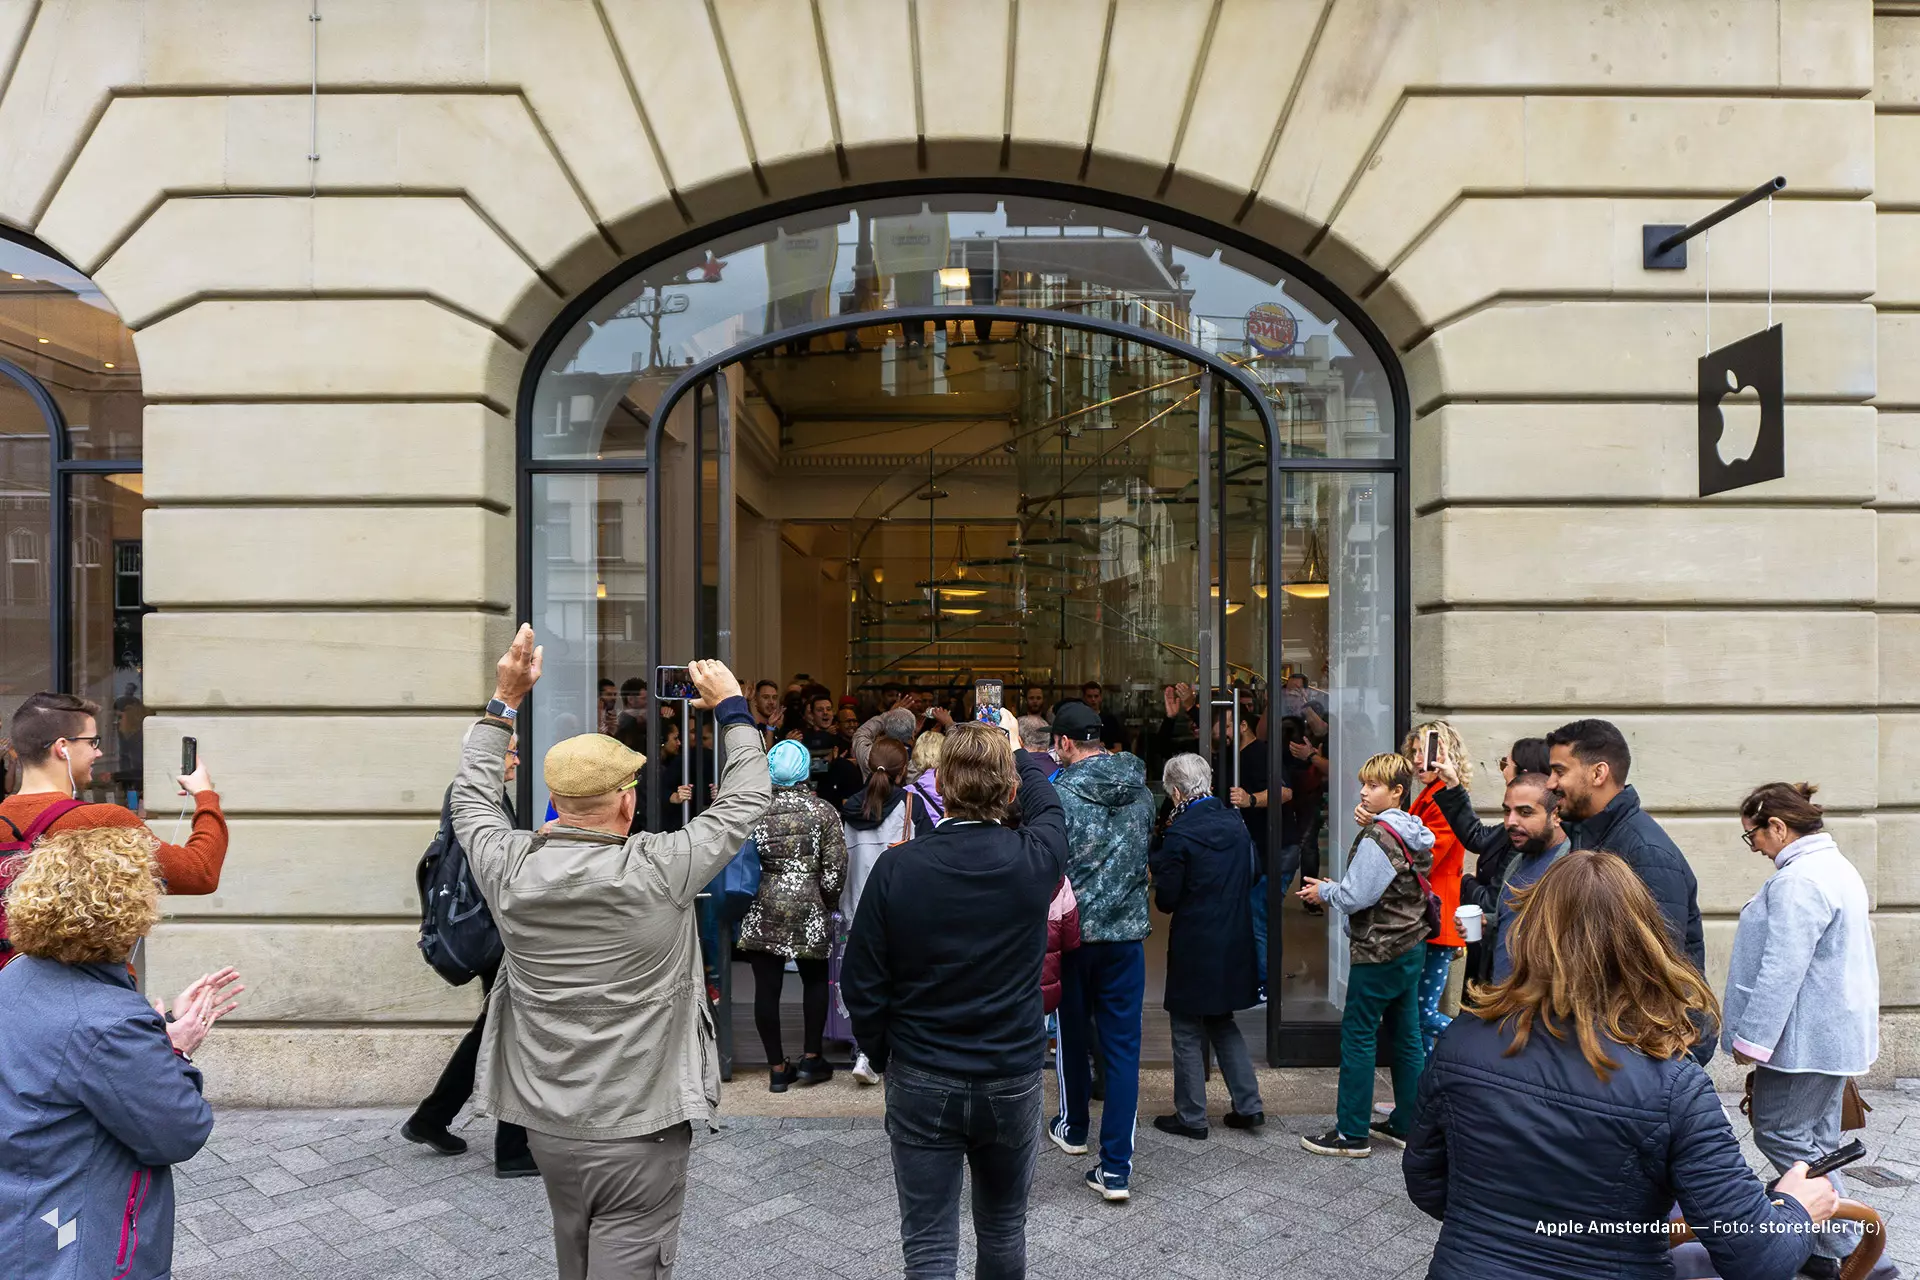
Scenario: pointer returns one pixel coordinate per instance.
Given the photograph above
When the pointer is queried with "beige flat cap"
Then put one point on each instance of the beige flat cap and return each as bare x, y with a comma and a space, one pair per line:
590, 764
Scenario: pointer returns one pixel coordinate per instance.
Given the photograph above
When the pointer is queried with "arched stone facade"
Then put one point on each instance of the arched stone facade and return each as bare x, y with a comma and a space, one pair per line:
331, 349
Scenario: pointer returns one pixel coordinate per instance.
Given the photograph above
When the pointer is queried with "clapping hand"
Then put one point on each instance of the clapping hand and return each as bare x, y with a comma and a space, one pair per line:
205, 1001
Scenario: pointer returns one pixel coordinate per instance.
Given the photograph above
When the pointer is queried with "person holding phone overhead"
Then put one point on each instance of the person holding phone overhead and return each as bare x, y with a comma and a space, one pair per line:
1803, 991
599, 1040
57, 739
1428, 746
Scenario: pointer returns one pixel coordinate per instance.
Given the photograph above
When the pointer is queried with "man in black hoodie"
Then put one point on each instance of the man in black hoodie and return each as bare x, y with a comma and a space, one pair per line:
942, 981
1588, 762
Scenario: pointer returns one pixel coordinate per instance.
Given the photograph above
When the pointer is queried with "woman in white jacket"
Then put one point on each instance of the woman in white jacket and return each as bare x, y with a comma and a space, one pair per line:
1803, 989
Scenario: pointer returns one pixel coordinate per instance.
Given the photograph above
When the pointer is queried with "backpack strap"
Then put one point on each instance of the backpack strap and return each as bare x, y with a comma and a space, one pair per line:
17, 837
1374, 830
47, 817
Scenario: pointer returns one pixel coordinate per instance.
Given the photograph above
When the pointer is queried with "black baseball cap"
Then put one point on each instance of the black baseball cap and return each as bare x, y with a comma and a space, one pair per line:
1076, 722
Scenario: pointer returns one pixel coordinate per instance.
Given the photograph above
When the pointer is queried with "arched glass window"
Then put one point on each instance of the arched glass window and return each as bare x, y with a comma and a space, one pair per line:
921, 439
71, 504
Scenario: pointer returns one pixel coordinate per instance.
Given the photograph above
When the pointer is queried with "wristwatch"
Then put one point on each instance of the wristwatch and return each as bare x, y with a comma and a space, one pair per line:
499, 710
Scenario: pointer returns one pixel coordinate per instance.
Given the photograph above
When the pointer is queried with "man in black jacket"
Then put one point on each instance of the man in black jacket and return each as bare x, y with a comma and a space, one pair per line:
942, 981
1588, 762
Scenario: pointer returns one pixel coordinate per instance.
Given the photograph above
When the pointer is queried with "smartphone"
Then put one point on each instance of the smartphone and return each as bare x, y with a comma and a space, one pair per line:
189, 755
1433, 748
673, 683
988, 696
1840, 1159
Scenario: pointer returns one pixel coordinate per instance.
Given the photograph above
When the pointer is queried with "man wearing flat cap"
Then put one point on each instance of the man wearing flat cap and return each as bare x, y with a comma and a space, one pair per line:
599, 1040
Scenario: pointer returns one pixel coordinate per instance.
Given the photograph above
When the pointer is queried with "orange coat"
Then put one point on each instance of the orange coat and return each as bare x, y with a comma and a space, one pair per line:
1449, 861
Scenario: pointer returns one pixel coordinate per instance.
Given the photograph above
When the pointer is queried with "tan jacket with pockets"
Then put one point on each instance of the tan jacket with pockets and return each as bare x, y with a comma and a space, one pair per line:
598, 1025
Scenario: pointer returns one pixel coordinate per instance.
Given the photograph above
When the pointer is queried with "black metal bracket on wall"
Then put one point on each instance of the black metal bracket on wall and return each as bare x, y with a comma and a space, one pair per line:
1663, 245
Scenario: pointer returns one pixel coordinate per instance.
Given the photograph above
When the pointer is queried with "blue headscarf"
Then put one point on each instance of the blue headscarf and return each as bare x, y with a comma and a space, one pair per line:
789, 763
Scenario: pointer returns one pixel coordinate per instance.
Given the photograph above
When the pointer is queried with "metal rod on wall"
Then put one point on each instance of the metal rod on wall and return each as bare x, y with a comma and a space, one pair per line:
1662, 245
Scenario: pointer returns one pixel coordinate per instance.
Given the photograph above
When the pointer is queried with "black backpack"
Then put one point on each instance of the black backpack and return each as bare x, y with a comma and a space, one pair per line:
457, 933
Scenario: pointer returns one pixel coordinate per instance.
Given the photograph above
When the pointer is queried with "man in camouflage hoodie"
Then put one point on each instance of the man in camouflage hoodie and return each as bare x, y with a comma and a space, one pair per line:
1109, 825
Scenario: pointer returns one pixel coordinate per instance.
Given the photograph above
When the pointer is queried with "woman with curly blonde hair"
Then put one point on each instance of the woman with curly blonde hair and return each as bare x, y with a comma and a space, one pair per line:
98, 1092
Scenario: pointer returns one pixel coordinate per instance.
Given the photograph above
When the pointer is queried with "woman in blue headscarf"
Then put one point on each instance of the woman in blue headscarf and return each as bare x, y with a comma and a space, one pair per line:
803, 865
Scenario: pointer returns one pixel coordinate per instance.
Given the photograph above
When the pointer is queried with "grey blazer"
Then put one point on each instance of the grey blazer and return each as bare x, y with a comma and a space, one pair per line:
1803, 990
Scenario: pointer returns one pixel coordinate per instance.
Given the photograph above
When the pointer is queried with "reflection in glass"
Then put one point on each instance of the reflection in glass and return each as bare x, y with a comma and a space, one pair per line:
26, 593
60, 328
1327, 387
589, 606
106, 610
1337, 591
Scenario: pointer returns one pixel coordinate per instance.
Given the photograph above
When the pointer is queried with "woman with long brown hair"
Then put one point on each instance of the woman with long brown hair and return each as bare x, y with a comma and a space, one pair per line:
1561, 1117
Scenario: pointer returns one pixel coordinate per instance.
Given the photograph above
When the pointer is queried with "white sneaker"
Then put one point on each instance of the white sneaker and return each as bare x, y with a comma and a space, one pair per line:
863, 1071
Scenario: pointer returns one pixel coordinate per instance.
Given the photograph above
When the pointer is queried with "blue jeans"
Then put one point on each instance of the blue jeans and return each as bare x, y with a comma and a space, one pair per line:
938, 1125
1433, 985
1108, 980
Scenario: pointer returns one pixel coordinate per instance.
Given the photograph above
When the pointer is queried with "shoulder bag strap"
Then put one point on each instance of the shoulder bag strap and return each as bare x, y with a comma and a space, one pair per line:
47, 817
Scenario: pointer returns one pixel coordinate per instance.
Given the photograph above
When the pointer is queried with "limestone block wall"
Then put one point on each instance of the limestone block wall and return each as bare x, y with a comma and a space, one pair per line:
332, 349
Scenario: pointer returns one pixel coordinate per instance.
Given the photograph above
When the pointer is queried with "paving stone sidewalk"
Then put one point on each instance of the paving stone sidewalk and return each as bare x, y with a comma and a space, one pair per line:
283, 1194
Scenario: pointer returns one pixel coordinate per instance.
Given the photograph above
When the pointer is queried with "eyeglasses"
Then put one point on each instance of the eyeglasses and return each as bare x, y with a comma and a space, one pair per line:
1747, 838
1503, 762
93, 741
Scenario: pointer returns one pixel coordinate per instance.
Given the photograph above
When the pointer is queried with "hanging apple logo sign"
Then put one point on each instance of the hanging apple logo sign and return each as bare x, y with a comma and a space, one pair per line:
1272, 330
1741, 407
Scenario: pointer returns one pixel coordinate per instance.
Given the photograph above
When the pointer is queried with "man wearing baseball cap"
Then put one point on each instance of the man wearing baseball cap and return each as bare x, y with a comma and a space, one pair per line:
1109, 826
598, 1038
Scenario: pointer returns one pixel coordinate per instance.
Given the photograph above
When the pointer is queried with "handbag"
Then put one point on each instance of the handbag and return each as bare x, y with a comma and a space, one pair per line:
1853, 1107
738, 883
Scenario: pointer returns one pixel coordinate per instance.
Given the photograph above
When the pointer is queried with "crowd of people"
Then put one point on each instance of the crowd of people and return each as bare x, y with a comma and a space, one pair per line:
966, 898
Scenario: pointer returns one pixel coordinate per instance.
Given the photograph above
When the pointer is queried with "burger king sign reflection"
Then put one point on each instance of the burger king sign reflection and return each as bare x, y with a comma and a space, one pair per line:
1272, 330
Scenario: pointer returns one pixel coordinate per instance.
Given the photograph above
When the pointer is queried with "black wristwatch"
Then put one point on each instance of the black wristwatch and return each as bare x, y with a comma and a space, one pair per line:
499, 710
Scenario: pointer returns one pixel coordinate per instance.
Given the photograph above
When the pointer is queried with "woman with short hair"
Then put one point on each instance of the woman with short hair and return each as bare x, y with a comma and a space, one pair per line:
923, 778
99, 1096
803, 864
1203, 874
1803, 990
1561, 1117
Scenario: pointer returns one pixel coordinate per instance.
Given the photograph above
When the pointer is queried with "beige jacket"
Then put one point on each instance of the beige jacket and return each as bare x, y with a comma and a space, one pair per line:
598, 1025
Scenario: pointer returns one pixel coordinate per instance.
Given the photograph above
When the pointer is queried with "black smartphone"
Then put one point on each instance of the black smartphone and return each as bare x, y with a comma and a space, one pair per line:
1855, 1150
673, 683
189, 755
988, 698
1433, 748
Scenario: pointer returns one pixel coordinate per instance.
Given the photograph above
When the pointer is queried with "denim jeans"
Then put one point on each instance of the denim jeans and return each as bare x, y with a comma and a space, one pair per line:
937, 1124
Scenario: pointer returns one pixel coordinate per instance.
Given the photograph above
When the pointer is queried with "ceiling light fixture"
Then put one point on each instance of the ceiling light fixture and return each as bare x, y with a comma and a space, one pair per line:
46, 339
955, 277
107, 365
18, 276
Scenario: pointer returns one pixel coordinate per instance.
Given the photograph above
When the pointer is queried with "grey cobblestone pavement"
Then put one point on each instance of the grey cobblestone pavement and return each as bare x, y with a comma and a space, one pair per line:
285, 1194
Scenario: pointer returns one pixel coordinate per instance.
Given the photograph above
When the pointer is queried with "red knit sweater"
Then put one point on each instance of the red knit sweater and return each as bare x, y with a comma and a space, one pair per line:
1449, 860
191, 868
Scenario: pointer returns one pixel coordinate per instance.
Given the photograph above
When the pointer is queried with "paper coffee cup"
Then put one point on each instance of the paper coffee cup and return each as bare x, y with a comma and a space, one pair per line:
1468, 918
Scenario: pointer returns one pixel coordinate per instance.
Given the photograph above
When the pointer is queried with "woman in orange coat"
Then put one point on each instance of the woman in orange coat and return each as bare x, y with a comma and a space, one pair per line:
1449, 861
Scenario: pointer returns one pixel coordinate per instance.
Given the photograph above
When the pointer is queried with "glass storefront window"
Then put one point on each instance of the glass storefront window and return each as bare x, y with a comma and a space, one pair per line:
70, 423
590, 608
1328, 389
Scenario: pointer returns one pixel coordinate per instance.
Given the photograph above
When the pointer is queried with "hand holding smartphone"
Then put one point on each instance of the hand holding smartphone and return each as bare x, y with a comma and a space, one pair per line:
987, 699
674, 684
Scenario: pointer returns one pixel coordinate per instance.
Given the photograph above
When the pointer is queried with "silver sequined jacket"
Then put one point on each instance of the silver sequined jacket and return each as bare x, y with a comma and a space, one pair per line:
803, 865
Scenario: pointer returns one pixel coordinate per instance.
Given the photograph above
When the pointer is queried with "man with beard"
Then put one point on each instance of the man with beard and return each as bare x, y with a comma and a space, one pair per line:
1588, 762
1533, 830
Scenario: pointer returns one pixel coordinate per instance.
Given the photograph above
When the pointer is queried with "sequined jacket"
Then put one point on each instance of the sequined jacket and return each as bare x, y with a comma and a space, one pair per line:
803, 865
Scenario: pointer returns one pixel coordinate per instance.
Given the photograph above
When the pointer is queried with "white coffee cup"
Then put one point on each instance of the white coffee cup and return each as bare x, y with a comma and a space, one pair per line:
1468, 918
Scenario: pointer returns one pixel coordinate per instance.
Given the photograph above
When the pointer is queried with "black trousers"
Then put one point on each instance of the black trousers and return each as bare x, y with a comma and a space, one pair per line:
455, 1086
769, 975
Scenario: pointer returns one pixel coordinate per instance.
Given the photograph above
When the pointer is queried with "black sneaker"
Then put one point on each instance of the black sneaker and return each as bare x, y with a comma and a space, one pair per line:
435, 1136
1234, 1120
520, 1166
1172, 1125
1819, 1268
1335, 1143
782, 1076
814, 1070
1111, 1187
1380, 1131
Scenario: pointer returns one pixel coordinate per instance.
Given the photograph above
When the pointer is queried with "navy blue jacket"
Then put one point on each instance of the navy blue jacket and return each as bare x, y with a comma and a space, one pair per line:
94, 1107
1503, 1146
1203, 878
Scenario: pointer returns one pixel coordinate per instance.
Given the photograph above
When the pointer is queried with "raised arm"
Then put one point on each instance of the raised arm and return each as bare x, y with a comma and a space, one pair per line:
478, 822
693, 855
1482, 838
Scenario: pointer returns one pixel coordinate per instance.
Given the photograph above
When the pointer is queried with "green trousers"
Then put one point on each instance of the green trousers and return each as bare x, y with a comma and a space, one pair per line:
1382, 1000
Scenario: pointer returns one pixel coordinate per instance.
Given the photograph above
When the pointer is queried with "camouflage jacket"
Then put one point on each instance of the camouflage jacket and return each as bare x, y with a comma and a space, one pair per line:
1109, 826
